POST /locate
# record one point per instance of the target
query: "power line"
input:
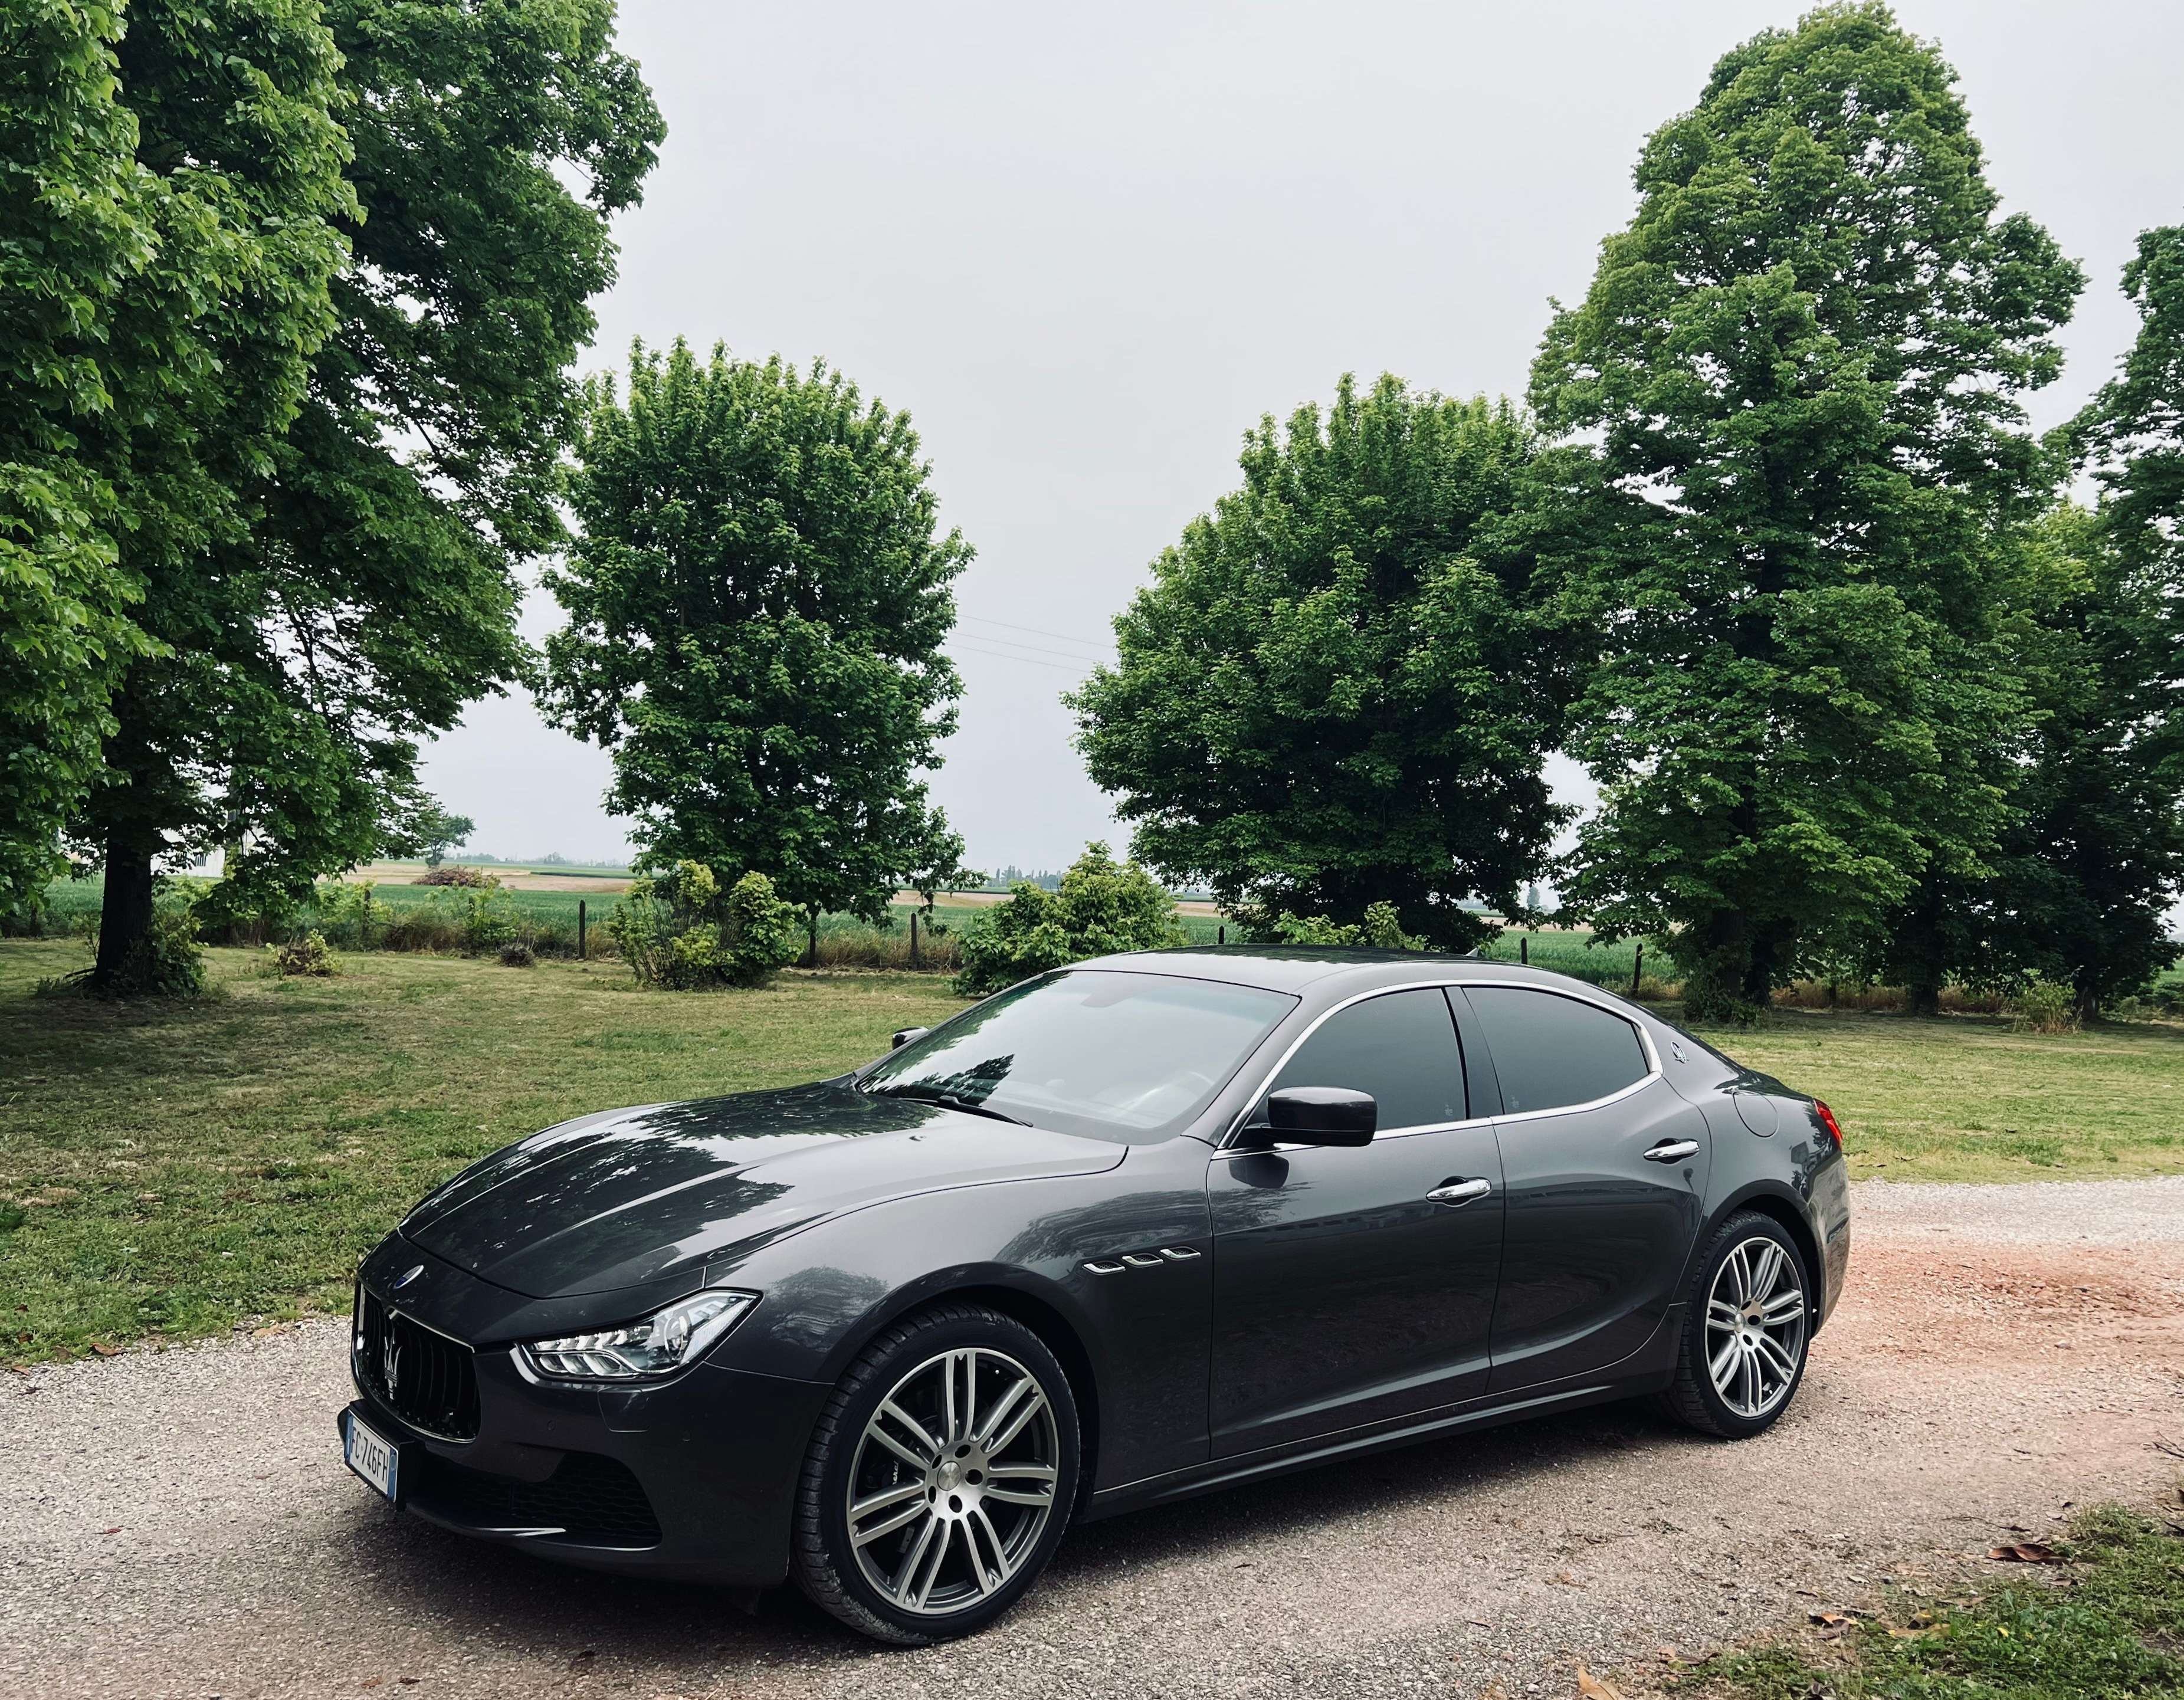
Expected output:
(1004, 655)
(1035, 649)
(1035, 631)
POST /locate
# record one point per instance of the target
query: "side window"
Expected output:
(1401, 1047)
(1550, 1050)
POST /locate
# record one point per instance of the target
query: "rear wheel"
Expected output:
(939, 1478)
(1748, 1325)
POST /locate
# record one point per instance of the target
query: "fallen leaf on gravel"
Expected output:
(116, 1530)
(1828, 1620)
(1567, 1579)
(1594, 1688)
(105, 1350)
(2027, 1552)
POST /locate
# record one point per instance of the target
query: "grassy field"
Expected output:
(1967, 1098)
(171, 1170)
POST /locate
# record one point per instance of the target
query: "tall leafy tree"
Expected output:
(1800, 368)
(372, 407)
(1335, 692)
(2090, 874)
(757, 602)
(74, 233)
(364, 589)
(167, 233)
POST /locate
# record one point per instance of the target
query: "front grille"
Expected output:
(427, 1379)
(594, 1500)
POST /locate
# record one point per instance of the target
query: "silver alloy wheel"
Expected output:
(953, 1481)
(1755, 1328)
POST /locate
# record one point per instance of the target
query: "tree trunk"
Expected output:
(124, 914)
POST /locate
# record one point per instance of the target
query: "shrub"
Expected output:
(351, 917)
(679, 930)
(167, 961)
(1379, 929)
(1101, 907)
(246, 912)
(516, 953)
(455, 873)
(2044, 1006)
(307, 955)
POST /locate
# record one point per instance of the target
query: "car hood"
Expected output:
(632, 1197)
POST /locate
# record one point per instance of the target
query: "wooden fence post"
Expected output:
(1637, 966)
(913, 938)
(581, 941)
(1221, 935)
(1525, 950)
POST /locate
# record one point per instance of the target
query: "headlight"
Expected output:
(659, 1345)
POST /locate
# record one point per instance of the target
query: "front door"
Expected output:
(1345, 1291)
(1606, 1164)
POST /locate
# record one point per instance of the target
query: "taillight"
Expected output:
(1828, 1121)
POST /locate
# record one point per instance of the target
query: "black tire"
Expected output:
(822, 1557)
(1692, 1398)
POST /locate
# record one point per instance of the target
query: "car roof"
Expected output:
(1293, 968)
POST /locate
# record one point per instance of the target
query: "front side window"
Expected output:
(1401, 1047)
(1125, 1057)
(1550, 1050)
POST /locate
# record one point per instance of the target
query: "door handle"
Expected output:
(1675, 1152)
(1460, 1191)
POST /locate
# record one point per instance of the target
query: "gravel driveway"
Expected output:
(180, 1524)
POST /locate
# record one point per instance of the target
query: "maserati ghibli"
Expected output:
(1142, 1227)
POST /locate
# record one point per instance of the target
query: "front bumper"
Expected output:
(692, 1479)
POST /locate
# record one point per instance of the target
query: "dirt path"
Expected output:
(179, 1523)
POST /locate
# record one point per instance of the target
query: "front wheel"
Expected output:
(939, 1477)
(1746, 1335)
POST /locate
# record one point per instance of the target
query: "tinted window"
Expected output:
(1121, 1055)
(1550, 1051)
(1400, 1048)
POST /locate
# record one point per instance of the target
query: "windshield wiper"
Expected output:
(950, 1101)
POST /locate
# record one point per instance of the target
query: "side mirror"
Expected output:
(908, 1035)
(1322, 1115)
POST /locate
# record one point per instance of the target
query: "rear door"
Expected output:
(1605, 1167)
(1344, 1292)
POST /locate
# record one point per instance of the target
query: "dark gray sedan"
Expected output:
(1148, 1226)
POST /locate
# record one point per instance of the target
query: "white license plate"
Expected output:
(372, 1456)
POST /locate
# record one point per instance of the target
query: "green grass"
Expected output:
(173, 1169)
(1966, 1098)
(2108, 1625)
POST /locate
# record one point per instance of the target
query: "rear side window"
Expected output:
(1550, 1050)
(1400, 1047)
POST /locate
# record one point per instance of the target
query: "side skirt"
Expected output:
(1648, 1370)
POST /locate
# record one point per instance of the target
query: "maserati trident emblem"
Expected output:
(390, 1361)
(403, 1279)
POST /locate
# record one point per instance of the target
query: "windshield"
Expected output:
(1121, 1056)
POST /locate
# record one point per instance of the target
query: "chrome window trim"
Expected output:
(1227, 1147)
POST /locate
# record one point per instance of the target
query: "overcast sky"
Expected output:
(1086, 247)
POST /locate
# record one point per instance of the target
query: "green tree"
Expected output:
(1101, 907)
(1336, 691)
(2098, 859)
(1795, 447)
(433, 832)
(77, 234)
(358, 588)
(757, 604)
